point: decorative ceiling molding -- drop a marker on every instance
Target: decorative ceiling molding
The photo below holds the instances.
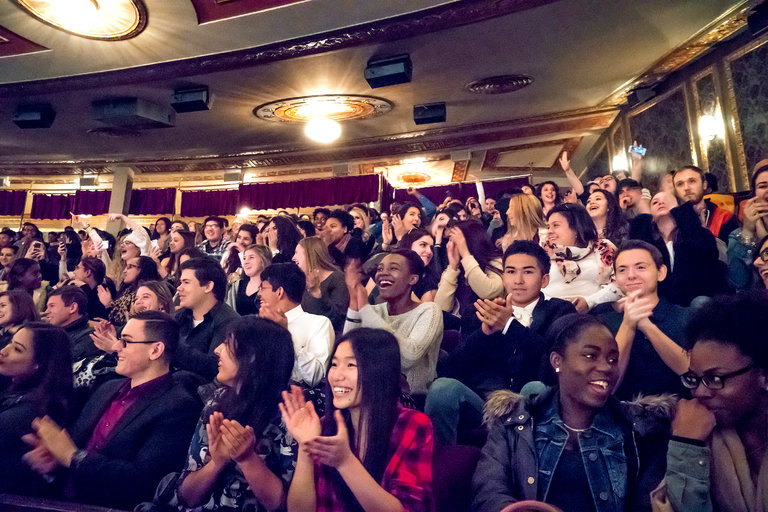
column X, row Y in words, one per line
column 13, row 44
column 492, row 155
column 442, row 17
column 439, row 140
column 208, row 10
column 720, row 29
column 460, row 170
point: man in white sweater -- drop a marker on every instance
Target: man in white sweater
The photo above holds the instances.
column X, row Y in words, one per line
column 418, row 326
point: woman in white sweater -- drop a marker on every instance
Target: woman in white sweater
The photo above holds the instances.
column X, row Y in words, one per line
column 418, row 326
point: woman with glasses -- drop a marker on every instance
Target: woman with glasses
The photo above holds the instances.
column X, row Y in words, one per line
column 716, row 458
column 573, row 445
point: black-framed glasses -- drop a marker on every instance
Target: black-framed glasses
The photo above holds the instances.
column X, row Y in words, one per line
column 692, row 381
column 764, row 254
column 125, row 342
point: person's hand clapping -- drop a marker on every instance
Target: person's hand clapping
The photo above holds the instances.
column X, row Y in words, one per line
column 637, row 308
column 299, row 416
column 239, row 440
column 218, row 451
column 331, row 450
column 494, row 314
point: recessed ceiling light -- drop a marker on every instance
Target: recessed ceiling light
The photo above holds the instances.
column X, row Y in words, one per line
column 501, row 84
column 107, row 20
column 329, row 106
column 323, row 130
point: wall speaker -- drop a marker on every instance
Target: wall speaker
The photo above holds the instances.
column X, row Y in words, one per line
column 640, row 95
column 389, row 71
column 429, row 113
column 191, row 100
column 34, row 116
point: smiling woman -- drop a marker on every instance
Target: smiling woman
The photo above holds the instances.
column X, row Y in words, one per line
column 586, row 442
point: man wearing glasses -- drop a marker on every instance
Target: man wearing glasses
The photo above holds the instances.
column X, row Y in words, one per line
column 213, row 230
column 132, row 431
column 648, row 329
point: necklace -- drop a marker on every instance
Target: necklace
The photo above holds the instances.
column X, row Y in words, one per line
column 577, row 430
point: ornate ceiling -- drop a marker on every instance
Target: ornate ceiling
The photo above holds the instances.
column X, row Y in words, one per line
column 582, row 57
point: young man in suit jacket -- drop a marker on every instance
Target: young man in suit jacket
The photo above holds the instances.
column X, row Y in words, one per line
column 506, row 353
column 131, row 432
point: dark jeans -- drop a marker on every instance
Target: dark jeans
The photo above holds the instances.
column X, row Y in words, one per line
column 450, row 404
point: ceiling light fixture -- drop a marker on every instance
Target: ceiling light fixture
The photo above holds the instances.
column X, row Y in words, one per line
column 332, row 106
column 106, row 20
column 323, row 130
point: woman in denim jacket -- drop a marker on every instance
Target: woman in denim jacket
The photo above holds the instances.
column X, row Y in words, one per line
column 573, row 445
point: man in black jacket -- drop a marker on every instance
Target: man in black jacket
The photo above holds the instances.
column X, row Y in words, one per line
column 506, row 353
column 132, row 431
column 204, row 318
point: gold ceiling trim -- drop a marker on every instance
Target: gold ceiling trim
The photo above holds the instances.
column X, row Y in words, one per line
column 720, row 29
column 339, row 107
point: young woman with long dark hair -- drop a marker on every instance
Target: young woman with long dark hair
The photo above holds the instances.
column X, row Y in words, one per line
column 39, row 365
column 245, row 237
column 367, row 453
column 142, row 268
column 282, row 236
column 604, row 209
column 240, row 457
column 169, row 267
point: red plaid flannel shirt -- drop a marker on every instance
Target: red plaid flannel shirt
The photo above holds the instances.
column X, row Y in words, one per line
column 408, row 475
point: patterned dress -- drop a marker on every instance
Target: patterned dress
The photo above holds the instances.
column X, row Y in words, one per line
column 231, row 492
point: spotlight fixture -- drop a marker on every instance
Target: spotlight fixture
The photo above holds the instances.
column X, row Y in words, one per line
column 429, row 113
column 389, row 71
column 323, row 130
column 34, row 116
column 191, row 100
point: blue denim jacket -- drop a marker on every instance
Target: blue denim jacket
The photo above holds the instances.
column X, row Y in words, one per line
column 623, row 451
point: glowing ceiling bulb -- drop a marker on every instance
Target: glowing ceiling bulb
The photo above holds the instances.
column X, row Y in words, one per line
column 245, row 212
column 620, row 162
column 323, row 130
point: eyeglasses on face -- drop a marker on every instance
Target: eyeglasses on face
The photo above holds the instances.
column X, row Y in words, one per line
column 263, row 289
column 124, row 342
column 764, row 254
column 692, row 381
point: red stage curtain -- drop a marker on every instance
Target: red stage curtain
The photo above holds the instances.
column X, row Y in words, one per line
column 92, row 202
column 52, row 206
column 292, row 194
column 12, row 202
column 152, row 201
column 201, row 203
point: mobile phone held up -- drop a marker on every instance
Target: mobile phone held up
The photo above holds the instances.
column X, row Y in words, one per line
column 640, row 150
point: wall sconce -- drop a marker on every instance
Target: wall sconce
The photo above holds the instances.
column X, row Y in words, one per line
column 620, row 162
column 711, row 126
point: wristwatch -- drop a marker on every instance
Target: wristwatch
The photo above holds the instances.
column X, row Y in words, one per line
column 77, row 458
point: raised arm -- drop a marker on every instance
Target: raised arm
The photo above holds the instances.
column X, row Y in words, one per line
column 573, row 180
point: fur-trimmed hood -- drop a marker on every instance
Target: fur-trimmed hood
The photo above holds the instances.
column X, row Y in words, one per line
column 508, row 407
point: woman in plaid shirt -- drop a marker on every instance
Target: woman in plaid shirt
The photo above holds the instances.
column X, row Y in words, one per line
column 367, row 453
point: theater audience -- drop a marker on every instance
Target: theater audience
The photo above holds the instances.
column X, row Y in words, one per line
column 337, row 235
column 89, row 274
column 203, row 317
column 24, row 274
column 232, row 259
column 573, row 445
column 742, row 249
column 326, row 293
column 240, row 456
column 281, row 291
column 581, row 262
column 506, row 353
column 131, row 432
column 16, row 309
column 648, row 329
column 153, row 296
column 525, row 220
column 418, row 327
column 716, row 458
column 162, row 236
column 38, row 364
column 243, row 289
column 7, row 254
column 549, row 195
column 367, row 453
column 421, row 242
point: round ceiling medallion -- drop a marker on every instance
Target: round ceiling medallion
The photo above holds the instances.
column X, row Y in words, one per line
column 106, row 20
column 414, row 177
column 329, row 106
column 499, row 84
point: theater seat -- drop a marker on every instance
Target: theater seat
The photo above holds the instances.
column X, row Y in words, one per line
column 724, row 201
column 452, row 469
